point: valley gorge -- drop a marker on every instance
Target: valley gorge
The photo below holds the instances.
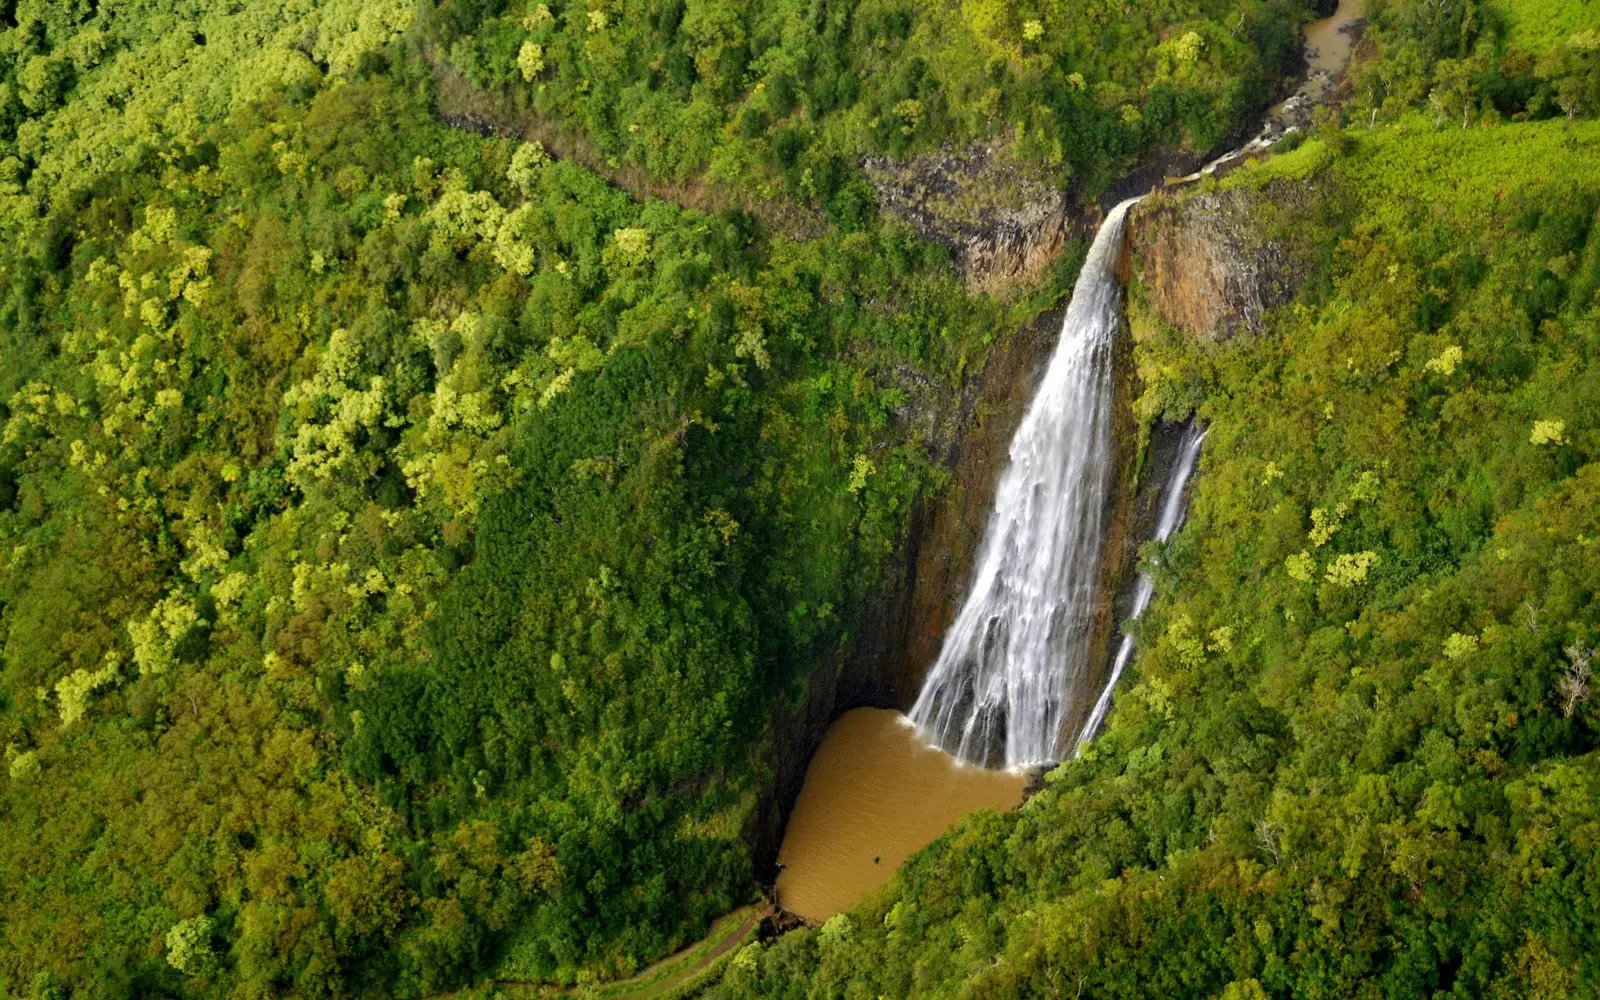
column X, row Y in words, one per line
column 1206, row 265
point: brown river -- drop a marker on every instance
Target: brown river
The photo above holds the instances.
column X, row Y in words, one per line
column 1331, row 39
column 874, row 795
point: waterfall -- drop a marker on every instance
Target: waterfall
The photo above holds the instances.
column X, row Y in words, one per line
column 1000, row 687
column 1172, row 511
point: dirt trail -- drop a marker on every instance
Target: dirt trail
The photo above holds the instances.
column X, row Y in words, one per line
column 645, row 989
column 730, row 931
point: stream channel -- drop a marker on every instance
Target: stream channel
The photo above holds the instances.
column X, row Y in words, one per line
column 876, row 791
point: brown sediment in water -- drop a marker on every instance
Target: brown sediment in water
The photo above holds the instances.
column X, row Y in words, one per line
column 1328, row 44
column 1328, row 41
column 874, row 795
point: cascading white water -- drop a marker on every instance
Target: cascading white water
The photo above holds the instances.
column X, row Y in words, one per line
column 998, row 691
column 1172, row 511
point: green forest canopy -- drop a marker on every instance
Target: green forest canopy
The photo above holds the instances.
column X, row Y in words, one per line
column 409, row 538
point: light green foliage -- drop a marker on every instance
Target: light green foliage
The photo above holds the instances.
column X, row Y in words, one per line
column 632, row 244
column 747, row 959
column 838, row 930
column 155, row 636
column 189, row 946
column 1350, row 568
column 861, row 470
column 1459, row 645
column 1301, row 566
column 349, row 29
column 137, row 76
column 1446, row 361
column 21, row 764
column 1222, row 639
column 1190, row 649
column 1539, row 25
column 73, row 690
column 1325, row 522
column 530, row 60
column 525, row 164
column 1548, row 432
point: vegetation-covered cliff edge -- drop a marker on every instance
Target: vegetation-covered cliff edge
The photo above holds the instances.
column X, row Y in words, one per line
column 412, row 535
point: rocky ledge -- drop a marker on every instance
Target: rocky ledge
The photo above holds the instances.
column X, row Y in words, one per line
column 1214, row 262
column 1005, row 220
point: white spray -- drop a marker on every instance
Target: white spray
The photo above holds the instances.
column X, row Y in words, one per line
column 1020, row 644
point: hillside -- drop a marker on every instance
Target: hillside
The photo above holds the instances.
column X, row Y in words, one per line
column 1359, row 754
column 454, row 455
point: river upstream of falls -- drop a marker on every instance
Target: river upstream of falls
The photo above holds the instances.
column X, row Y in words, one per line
column 1015, row 662
column 883, row 785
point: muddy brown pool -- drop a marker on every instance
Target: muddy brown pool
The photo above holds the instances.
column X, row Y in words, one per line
column 874, row 795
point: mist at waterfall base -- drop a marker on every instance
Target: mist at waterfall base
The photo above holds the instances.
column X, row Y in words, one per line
column 1019, row 648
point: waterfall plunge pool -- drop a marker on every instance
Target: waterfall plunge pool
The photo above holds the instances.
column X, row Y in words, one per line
column 874, row 795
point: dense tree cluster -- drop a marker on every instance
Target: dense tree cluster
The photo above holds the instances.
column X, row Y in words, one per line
column 1482, row 60
column 785, row 96
column 408, row 538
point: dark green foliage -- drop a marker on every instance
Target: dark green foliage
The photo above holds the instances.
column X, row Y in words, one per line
column 408, row 541
column 684, row 86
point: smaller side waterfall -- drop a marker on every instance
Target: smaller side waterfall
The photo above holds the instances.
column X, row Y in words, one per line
column 1020, row 644
column 1173, row 508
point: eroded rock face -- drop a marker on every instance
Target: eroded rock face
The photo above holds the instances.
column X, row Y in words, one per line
column 1004, row 219
column 1214, row 263
column 971, row 430
column 1211, row 262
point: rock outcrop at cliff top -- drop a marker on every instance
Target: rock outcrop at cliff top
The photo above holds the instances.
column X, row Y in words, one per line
column 1214, row 263
column 1004, row 219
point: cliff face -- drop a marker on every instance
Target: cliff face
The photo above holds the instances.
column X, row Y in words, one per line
column 900, row 632
column 900, row 637
column 1003, row 219
column 1213, row 263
